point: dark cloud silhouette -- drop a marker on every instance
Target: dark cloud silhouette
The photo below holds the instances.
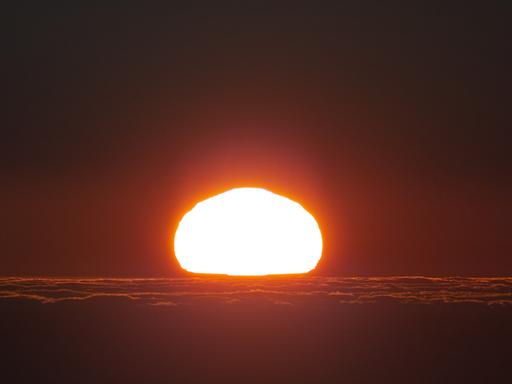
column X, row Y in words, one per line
column 281, row 291
column 213, row 329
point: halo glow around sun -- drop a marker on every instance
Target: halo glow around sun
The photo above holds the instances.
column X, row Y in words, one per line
column 248, row 231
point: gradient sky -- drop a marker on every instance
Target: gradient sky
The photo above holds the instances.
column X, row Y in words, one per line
column 388, row 121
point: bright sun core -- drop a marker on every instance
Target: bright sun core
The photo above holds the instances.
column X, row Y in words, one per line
column 248, row 231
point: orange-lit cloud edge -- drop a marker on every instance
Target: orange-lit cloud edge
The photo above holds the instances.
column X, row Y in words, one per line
column 177, row 292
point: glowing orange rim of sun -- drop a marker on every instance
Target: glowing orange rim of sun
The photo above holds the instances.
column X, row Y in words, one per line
column 248, row 231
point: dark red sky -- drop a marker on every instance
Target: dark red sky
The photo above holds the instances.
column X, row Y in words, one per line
column 389, row 122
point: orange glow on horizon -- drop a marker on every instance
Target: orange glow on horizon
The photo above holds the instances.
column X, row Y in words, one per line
column 248, row 232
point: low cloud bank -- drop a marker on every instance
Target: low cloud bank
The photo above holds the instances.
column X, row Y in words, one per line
column 279, row 291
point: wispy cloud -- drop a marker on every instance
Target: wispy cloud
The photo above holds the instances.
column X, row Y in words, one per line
column 281, row 291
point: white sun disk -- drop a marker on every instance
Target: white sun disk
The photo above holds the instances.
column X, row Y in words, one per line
column 248, row 231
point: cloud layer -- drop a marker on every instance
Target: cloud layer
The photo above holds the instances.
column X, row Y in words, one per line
column 280, row 291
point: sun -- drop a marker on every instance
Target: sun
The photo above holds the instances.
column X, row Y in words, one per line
column 248, row 232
